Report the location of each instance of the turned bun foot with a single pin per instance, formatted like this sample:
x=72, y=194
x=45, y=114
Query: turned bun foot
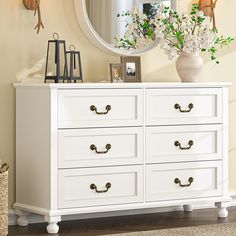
x=22, y=221
x=222, y=209
x=222, y=212
x=52, y=228
x=22, y=218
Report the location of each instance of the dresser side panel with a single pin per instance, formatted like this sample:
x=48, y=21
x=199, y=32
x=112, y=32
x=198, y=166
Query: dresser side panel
x=225, y=141
x=33, y=147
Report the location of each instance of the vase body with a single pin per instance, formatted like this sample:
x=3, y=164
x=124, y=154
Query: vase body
x=189, y=66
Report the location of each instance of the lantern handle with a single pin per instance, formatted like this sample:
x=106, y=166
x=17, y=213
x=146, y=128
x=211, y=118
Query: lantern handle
x=55, y=36
x=72, y=47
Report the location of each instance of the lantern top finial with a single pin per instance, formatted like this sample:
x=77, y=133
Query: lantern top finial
x=55, y=36
x=72, y=47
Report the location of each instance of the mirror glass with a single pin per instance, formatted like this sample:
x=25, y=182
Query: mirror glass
x=111, y=19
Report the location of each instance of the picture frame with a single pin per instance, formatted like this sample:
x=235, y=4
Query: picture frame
x=131, y=69
x=116, y=73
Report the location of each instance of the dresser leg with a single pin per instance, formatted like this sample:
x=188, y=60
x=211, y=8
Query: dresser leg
x=222, y=209
x=52, y=227
x=188, y=208
x=22, y=218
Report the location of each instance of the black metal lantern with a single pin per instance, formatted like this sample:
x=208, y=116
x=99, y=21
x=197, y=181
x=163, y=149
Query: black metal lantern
x=56, y=61
x=75, y=68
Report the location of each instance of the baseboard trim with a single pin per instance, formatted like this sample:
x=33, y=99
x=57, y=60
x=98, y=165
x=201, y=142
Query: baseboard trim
x=35, y=218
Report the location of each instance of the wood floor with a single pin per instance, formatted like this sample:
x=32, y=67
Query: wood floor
x=134, y=223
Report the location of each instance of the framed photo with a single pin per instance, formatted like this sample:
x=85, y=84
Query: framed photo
x=116, y=71
x=131, y=69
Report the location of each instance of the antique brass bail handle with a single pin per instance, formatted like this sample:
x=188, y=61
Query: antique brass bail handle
x=178, y=107
x=94, y=148
x=178, y=181
x=94, y=187
x=178, y=144
x=94, y=108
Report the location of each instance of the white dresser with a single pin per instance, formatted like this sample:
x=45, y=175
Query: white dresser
x=111, y=147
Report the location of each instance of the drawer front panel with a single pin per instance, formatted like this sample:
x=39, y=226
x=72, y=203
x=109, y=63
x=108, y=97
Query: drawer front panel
x=100, y=186
x=183, y=106
x=183, y=143
x=163, y=181
x=100, y=147
x=100, y=108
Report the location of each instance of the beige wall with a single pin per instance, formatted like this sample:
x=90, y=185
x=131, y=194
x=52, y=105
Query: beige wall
x=21, y=47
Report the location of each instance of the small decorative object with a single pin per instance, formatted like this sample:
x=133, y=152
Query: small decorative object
x=208, y=7
x=131, y=69
x=116, y=71
x=75, y=68
x=34, y=5
x=189, y=66
x=56, y=61
x=4, y=199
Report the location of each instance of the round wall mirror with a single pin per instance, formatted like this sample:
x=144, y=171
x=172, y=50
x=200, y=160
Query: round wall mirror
x=105, y=22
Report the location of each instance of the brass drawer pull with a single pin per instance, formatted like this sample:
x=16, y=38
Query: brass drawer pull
x=178, y=144
x=178, y=181
x=94, y=148
x=178, y=107
x=108, y=108
x=94, y=187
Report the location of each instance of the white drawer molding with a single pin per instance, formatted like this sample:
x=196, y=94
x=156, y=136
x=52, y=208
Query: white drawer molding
x=86, y=108
x=184, y=106
x=164, y=144
x=100, y=147
x=100, y=186
x=91, y=150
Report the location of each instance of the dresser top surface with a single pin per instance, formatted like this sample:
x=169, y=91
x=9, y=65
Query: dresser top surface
x=122, y=85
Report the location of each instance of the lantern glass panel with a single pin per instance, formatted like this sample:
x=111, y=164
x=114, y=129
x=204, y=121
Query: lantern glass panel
x=69, y=62
x=51, y=66
x=76, y=67
x=62, y=61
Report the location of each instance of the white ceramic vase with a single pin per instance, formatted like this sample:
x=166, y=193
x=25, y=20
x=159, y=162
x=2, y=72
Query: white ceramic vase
x=189, y=66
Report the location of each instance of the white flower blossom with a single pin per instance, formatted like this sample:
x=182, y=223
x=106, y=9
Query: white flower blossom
x=133, y=26
x=172, y=19
x=128, y=34
x=143, y=16
x=200, y=14
x=143, y=42
x=135, y=11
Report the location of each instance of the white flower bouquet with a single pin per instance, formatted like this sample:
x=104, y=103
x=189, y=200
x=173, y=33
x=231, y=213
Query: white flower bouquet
x=176, y=33
x=187, y=33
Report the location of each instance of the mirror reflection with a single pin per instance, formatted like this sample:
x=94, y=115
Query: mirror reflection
x=115, y=21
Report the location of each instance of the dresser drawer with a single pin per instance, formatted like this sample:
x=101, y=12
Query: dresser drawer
x=100, y=108
x=100, y=147
x=183, y=143
x=183, y=180
x=183, y=106
x=100, y=186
